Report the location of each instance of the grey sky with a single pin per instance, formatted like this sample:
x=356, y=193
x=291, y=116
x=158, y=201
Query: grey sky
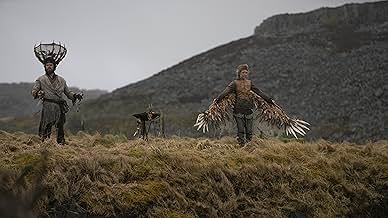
x=112, y=43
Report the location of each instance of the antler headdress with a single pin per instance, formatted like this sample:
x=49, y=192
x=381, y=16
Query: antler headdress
x=52, y=50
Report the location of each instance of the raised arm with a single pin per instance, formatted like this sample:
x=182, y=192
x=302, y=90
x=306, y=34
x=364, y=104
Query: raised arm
x=261, y=94
x=229, y=89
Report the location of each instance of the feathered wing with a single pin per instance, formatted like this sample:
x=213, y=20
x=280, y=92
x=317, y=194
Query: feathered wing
x=217, y=113
x=274, y=115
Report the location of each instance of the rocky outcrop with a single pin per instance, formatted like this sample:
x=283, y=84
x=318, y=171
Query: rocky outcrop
x=355, y=16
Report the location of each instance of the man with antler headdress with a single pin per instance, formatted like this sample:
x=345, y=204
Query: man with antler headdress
x=243, y=97
x=50, y=88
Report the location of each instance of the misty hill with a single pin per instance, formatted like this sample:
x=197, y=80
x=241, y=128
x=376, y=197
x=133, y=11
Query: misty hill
x=16, y=99
x=328, y=66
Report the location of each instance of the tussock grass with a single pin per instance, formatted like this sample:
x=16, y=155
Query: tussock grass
x=108, y=175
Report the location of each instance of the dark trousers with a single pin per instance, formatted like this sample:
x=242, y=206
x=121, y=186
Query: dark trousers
x=244, y=127
x=46, y=132
x=144, y=133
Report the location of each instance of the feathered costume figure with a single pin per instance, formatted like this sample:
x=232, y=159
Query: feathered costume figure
x=242, y=97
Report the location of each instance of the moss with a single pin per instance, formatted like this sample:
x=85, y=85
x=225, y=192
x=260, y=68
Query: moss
x=136, y=152
x=111, y=165
x=25, y=159
x=171, y=213
x=32, y=166
x=116, y=138
x=142, y=193
x=287, y=140
x=238, y=161
x=104, y=141
x=97, y=200
x=87, y=199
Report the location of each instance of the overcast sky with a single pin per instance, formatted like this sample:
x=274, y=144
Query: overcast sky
x=112, y=43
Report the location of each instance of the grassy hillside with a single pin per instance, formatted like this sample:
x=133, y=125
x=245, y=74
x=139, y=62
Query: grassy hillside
x=109, y=176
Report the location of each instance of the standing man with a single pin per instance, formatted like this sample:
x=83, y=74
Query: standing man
x=244, y=103
x=50, y=88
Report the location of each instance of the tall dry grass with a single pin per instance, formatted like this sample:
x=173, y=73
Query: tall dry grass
x=95, y=175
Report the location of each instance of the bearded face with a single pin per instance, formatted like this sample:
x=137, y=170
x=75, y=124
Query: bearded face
x=49, y=68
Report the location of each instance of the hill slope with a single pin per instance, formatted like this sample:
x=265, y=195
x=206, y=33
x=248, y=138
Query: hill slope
x=332, y=73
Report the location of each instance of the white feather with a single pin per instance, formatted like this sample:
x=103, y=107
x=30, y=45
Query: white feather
x=198, y=118
x=198, y=122
x=296, y=130
x=304, y=122
x=293, y=133
x=303, y=126
x=300, y=129
x=200, y=125
x=287, y=131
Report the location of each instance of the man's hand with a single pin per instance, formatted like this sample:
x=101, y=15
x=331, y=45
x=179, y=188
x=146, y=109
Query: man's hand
x=78, y=96
x=40, y=94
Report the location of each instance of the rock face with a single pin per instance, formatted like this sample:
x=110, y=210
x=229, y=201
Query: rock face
x=328, y=66
x=357, y=16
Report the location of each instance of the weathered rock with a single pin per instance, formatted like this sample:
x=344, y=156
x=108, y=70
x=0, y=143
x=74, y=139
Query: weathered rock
x=357, y=16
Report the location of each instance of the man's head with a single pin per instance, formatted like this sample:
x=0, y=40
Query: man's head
x=49, y=65
x=242, y=71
